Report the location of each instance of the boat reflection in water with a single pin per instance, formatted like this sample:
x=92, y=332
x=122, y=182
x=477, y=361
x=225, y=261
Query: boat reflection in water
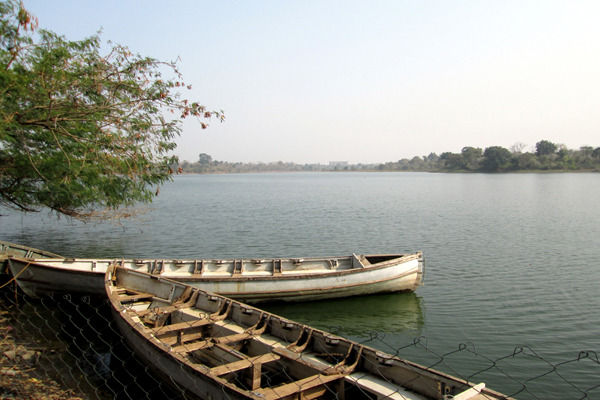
x=359, y=317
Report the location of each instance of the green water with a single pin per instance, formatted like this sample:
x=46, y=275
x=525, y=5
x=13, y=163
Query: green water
x=512, y=260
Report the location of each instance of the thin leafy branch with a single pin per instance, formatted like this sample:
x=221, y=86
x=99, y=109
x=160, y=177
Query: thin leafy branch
x=83, y=133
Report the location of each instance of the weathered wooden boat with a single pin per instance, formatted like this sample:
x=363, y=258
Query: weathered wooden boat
x=218, y=348
x=12, y=249
x=256, y=280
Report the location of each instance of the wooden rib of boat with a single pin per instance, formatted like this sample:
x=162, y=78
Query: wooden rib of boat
x=251, y=281
x=218, y=348
x=12, y=249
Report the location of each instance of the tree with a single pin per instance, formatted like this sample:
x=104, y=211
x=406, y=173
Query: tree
x=563, y=151
x=472, y=157
x=416, y=163
x=81, y=133
x=517, y=148
x=496, y=158
x=527, y=161
x=586, y=151
x=204, y=159
x=544, y=148
x=452, y=161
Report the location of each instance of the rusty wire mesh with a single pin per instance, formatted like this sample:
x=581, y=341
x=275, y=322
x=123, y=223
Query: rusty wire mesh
x=67, y=347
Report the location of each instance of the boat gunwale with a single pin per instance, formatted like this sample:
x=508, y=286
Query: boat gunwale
x=191, y=277
x=5, y=253
x=4, y=245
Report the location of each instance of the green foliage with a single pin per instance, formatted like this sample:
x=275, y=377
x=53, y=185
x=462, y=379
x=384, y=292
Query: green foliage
x=500, y=159
x=527, y=161
x=545, y=147
x=470, y=159
x=453, y=161
x=83, y=132
x=496, y=158
x=204, y=159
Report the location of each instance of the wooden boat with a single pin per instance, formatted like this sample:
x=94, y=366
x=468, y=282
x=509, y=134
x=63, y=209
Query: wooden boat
x=217, y=348
x=11, y=249
x=288, y=279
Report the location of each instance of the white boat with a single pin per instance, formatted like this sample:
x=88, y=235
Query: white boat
x=216, y=348
x=12, y=249
x=256, y=280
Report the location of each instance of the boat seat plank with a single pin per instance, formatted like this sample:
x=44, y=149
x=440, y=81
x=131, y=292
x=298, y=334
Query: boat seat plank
x=191, y=347
x=185, y=300
x=304, y=359
x=162, y=310
x=134, y=297
x=237, y=337
x=387, y=390
x=243, y=364
x=298, y=386
x=470, y=393
x=180, y=337
x=181, y=326
x=156, y=310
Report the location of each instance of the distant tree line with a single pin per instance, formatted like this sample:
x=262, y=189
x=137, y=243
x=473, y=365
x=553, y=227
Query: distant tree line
x=206, y=165
x=548, y=156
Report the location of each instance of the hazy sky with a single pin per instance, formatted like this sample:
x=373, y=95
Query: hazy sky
x=364, y=81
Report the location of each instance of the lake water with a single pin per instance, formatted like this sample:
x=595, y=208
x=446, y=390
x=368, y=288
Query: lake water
x=512, y=283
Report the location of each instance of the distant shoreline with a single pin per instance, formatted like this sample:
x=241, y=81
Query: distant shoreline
x=548, y=157
x=562, y=171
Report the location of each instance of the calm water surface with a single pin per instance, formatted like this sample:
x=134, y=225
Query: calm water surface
x=512, y=261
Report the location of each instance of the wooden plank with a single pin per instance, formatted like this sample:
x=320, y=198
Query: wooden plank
x=238, y=267
x=181, y=326
x=310, y=362
x=180, y=337
x=254, y=378
x=470, y=393
x=232, y=338
x=198, y=267
x=316, y=393
x=387, y=390
x=169, y=309
x=135, y=297
x=159, y=310
x=297, y=387
x=276, y=267
x=190, y=347
x=243, y=364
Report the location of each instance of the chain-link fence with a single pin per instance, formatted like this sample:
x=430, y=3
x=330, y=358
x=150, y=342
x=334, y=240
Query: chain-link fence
x=68, y=347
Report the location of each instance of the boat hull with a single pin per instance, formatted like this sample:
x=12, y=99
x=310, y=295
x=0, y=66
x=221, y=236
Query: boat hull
x=310, y=279
x=12, y=249
x=169, y=369
x=217, y=348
